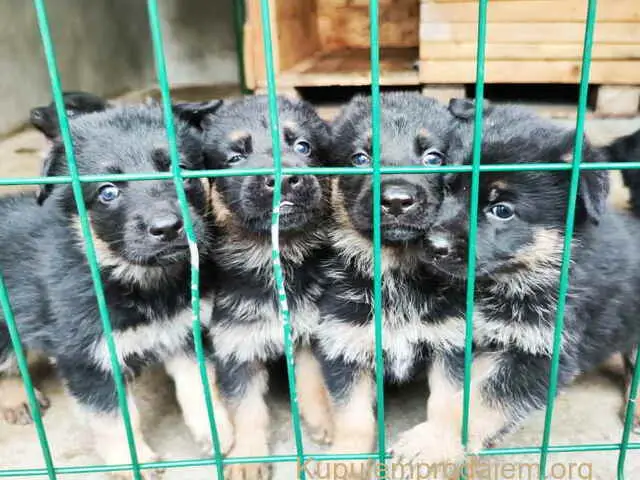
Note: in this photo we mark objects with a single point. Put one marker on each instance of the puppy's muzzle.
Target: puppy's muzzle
(165, 227)
(398, 200)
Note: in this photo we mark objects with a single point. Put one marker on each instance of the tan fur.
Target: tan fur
(355, 425)
(424, 133)
(220, 210)
(545, 249)
(313, 397)
(293, 126)
(185, 371)
(107, 430)
(358, 248)
(143, 275)
(236, 135)
(14, 403)
(251, 423)
(498, 186)
(439, 438)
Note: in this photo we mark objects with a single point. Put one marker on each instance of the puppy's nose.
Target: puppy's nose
(292, 182)
(398, 199)
(165, 227)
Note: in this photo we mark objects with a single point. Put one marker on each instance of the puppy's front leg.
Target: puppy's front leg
(185, 371)
(313, 397)
(505, 388)
(244, 386)
(353, 401)
(94, 392)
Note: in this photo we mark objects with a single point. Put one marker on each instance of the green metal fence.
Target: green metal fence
(543, 450)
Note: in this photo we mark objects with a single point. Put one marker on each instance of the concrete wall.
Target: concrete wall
(103, 46)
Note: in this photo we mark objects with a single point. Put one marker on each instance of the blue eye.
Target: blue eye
(361, 160)
(108, 193)
(235, 159)
(432, 158)
(502, 211)
(302, 147)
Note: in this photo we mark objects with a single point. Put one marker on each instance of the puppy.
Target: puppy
(246, 330)
(45, 118)
(144, 261)
(519, 248)
(422, 311)
(627, 149)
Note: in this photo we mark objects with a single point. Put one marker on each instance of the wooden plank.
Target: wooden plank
(530, 11)
(351, 67)
(626, 33)
(562, 71)
(348, 26)
(527, 51)
(295, 31)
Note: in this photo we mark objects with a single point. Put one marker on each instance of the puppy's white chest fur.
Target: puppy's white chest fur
(260, 335)
(162, 338)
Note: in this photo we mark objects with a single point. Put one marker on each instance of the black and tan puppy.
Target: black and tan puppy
(519, 248)
(246, 329)
(422, 311)
(144, 261)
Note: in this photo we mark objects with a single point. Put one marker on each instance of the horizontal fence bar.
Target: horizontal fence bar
(207, 462)
(134, 177)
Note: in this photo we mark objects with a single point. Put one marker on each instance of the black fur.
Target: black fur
(627, 149)
(141, 245)
(519, 258)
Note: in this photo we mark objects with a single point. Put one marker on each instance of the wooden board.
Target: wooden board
(626, 33)
(527, 51)
(347, 26)
(530, 11)
(352, 68)
(527, 71)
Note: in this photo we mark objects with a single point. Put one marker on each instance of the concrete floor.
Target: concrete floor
(585, 413)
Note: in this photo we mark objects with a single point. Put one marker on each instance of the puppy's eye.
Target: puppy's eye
(432, 158)
(361, 159)
(502, 211)
(302, 147)
(233, 159)
(108, 193)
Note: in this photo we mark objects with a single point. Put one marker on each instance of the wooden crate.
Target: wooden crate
(326, 43)
(529, 41)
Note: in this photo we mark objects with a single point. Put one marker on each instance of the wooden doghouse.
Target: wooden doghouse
(433, 43)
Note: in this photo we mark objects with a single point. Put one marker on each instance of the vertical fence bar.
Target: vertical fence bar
(23, 366)
(163, 82)
(377, 239)
(629, 416)
(265, 16)
(569, 227)
(56, 90)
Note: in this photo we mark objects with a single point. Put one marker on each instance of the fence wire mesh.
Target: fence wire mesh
(376, 171)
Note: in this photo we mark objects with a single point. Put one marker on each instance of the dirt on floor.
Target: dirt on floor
(586, 413)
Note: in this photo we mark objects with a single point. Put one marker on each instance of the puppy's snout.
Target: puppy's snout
(165, 227)
(289, 182)
(398, 199)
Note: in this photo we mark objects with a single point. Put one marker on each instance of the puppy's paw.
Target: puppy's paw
(248, 471)
(14, 403)
(145, 455)
(426, 444)
(202, 434)
(320, 433)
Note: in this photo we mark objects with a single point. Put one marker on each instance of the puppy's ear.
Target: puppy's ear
(52, 166)
(195, 113)
(593, 189)
(464, 108)
(45, 118)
